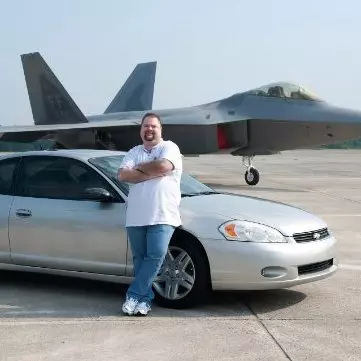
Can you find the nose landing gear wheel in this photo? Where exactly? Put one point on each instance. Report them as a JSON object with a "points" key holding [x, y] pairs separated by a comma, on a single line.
{"points": [[251, 176]]}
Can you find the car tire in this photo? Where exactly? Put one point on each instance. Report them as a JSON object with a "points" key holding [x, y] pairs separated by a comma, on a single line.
{"points": [[192, 255]]}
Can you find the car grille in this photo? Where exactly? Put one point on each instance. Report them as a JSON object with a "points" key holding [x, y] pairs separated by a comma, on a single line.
{"points": [[315, 267], [311, 236]]}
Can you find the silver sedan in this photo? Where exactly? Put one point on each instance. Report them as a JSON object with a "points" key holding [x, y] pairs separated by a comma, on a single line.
{"points": [[63, 212]]}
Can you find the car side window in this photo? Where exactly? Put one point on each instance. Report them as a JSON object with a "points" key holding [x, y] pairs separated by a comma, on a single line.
{"points": [[57, 178], [8, 169]]}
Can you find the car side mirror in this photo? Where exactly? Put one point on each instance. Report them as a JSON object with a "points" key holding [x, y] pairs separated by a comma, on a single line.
{"points": [[98, 194]]}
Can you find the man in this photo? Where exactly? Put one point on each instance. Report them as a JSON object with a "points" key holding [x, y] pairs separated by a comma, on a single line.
{"points": [[153, 170]]}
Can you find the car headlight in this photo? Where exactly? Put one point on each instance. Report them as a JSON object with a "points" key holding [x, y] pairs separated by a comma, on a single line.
{"points": [[244, 231]]}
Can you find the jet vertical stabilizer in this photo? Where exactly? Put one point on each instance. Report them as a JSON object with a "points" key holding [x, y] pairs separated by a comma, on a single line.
{"points": [[137, 92], [50, 102]]}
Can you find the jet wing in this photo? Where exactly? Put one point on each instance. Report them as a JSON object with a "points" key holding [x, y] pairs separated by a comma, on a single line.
{"points": [[193, 116], [194, 129], [79, 135], [60, 127]]}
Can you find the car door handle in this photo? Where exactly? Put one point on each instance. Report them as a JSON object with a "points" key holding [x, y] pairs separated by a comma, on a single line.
{"points": [[23, 213]]}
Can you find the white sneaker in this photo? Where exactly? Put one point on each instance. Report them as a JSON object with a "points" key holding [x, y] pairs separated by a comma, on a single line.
{"points": [[142, 308], [129, 306]]}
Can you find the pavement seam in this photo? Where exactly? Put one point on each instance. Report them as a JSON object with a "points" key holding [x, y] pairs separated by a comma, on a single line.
{"points": [[260, 321]]}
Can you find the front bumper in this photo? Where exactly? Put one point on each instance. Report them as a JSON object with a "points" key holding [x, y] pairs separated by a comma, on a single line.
{"points": [[262, 266]]}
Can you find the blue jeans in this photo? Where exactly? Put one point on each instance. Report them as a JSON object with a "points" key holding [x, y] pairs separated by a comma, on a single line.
{"points": [[149, 246]]}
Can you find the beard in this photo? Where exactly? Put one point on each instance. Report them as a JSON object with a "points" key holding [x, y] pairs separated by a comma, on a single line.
{"points": [[149, 136]]}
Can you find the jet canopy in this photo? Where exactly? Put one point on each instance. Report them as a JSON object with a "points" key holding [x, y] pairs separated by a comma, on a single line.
{"points": [[284, 90]]}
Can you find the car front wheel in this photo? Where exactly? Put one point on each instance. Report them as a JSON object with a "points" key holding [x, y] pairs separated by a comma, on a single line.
{"points": [[183, 280]]}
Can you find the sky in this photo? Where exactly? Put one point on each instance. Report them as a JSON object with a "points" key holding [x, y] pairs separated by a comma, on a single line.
{"points": [[205, 49]]}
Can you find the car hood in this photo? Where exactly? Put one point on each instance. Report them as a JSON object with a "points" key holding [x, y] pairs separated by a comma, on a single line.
{"points": [[287, 219]]}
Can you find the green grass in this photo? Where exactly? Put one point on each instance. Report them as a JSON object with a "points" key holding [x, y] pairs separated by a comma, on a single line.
{"points": [[349, 144]]}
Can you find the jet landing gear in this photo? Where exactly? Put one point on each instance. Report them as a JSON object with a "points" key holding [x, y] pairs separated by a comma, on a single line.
{"points": [[252, 175]]}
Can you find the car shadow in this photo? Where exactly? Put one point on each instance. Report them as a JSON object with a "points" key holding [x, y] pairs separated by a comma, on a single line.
{"points": [[27, 295], [265, 301]]}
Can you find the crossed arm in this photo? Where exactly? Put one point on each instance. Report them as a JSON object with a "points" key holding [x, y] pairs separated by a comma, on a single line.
{"points": [[145, 171]]}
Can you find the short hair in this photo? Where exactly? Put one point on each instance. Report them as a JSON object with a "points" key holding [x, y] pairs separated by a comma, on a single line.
{"points": [[150, 114]]}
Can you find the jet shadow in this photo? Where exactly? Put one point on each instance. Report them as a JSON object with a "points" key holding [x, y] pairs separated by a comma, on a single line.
{"points": [[242, 187]]}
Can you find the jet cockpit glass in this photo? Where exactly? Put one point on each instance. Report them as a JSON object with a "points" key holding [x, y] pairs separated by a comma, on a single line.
{"points": [[284, 90]]}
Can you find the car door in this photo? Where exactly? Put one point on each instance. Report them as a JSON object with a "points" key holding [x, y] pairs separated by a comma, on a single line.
{"points": [[8, 168], [53, 224]]}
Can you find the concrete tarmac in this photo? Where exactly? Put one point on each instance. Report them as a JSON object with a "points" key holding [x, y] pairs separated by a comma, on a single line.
{"points": [[54, 318]]}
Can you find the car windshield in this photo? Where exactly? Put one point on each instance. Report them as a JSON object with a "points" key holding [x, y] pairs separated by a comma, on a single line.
{"points": [[110, 165], [284, 90]]}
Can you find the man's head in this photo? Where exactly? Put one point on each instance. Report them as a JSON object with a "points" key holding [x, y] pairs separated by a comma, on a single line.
{"points": [[151, 129]]}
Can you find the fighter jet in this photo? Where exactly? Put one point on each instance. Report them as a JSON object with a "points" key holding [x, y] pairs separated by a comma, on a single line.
{"points": [[261, 121]]}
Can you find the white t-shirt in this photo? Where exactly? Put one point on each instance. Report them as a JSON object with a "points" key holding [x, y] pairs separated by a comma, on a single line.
{"points": [[155, 201]]}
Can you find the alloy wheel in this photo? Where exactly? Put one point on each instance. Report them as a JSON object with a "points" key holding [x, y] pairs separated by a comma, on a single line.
{"points": [[176, 276]]}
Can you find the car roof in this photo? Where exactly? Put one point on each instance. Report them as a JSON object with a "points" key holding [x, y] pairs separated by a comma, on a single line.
{"points": [[81, 154]]}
